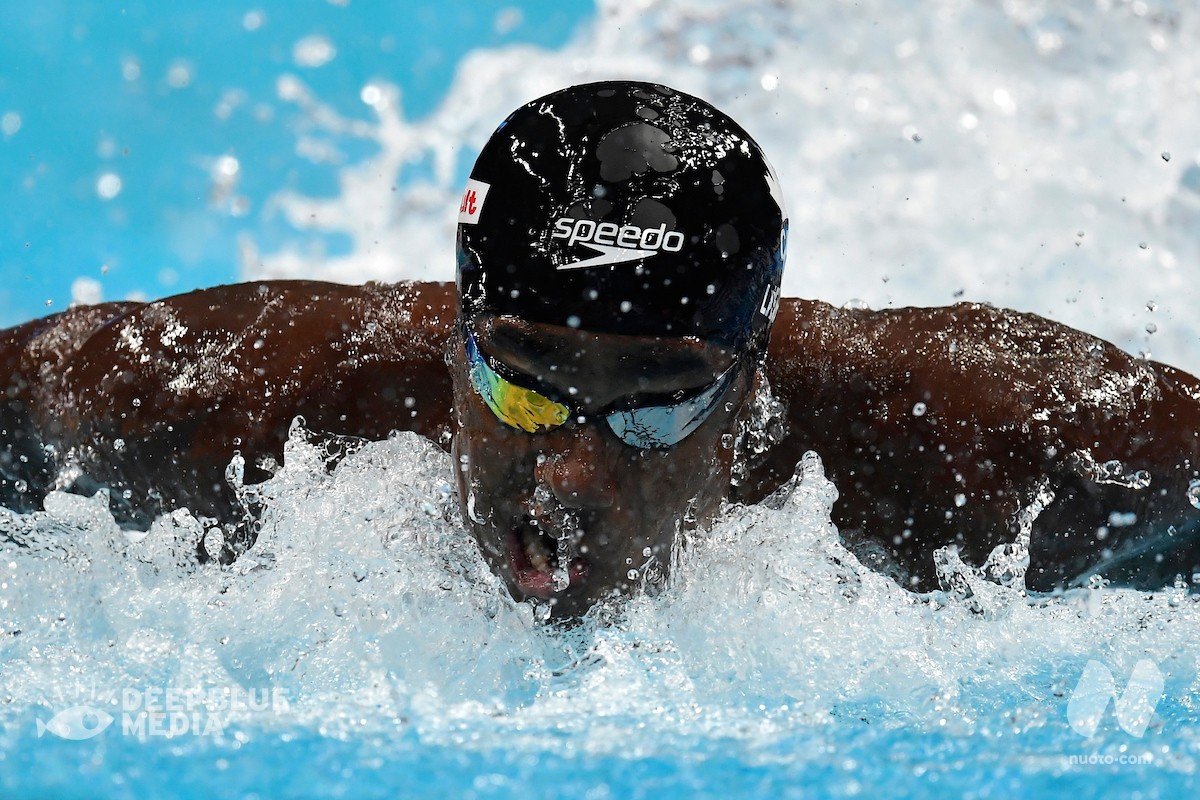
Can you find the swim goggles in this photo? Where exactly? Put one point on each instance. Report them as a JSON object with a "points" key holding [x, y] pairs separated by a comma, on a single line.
{"points": [[643, 427]]}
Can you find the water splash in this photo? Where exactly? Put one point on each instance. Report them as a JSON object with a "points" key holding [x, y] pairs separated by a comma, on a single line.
{"points": [[991, 204], [765, 427], [365, 604], [1193, 493], [1111, 472]]}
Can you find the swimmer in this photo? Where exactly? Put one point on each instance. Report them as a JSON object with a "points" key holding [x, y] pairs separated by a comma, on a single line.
{"points": [[613, 364]]}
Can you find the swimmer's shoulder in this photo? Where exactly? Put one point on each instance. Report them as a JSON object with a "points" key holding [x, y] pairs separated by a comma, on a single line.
{"points": [[404, 305], [285, 316]]}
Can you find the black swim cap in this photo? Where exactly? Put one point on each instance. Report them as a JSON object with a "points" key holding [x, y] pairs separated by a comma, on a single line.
{"points": [[625, 208]]}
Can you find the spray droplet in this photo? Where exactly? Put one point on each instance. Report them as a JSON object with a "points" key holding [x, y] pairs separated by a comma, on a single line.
{"points": [[918, 410], [1166, 156], [1151, 327], [1193, 493], [108, 186]]}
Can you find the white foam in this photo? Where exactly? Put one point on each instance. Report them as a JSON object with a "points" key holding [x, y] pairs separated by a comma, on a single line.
{"points": [[366, 605]]}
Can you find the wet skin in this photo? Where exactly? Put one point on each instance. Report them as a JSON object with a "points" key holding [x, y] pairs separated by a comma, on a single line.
{"points": [[1011, 404]]}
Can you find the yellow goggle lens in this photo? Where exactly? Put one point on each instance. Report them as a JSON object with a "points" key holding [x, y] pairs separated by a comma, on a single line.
{"points": [[513, 405]]}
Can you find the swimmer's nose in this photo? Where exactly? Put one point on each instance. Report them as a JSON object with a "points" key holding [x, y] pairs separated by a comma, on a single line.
{"points": [[579, 474]]}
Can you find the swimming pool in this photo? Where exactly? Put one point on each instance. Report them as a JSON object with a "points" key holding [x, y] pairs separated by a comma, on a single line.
{"points": [[1041, 156]]}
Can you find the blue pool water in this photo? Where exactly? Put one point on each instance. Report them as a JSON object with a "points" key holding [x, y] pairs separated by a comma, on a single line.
{"points": [[154, 95], [1041, 155]]}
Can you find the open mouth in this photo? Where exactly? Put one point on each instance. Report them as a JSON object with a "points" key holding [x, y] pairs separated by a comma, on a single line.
{"points": [[534, 556]]}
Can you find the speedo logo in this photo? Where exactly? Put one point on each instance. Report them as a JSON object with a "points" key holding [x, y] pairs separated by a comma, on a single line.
{"points": [[616, 244]]}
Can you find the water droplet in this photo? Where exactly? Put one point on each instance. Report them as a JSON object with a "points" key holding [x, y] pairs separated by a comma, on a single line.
{"points": [[918, 410], [1166, 156], [727, 441], [1122, 519], [1151, 306], [10, 123], [372, 95], [1144, 245], [1151, 327], [313, 51], [179, 74], [960, 499], [626, 306], [1193, 493], [108, 186], [253, 20]]}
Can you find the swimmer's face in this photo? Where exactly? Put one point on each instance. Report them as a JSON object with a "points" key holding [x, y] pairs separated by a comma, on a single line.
{"points": [[576, 491]]}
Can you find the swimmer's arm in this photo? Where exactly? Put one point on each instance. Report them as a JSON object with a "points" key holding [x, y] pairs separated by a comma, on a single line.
{"points": [[157, 403], [944, 422], [33, 359]]}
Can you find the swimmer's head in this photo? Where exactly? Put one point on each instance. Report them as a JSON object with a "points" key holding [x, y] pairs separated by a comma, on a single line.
{"points": [[625, 208], [620, 249]]}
